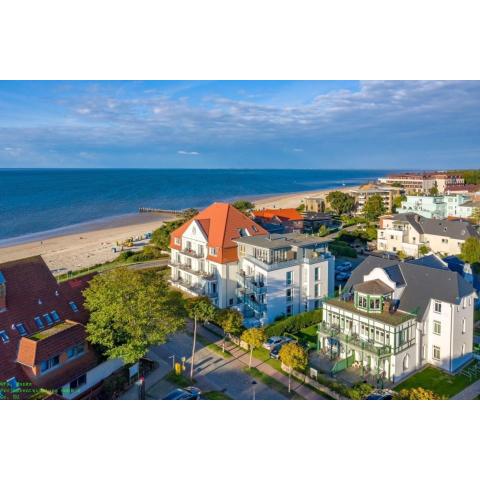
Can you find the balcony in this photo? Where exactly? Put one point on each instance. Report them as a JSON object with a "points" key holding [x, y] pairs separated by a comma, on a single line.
{"points": [[353, 341], [248, 283], [187, 268], [253, 304], [196, 289], [192, 253]]}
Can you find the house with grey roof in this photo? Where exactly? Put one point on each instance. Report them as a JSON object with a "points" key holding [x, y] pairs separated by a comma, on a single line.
{"points": [[392, 318], [409, 232]]}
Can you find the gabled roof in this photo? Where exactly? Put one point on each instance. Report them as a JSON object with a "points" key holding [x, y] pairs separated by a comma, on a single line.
{"points": [[283, 214], [421, 282], [31, 291], [456, 229], [222, 223]]}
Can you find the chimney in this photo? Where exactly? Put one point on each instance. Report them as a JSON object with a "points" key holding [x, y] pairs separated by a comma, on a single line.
{"points": [[3, 293]]}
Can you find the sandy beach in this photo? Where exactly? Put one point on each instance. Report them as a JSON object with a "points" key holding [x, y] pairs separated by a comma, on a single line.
{"points": [[83, 246], [86, 247], [293, 200]]}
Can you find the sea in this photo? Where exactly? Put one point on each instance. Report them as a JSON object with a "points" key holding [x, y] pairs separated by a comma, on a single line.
{"points": [[38, 202]]}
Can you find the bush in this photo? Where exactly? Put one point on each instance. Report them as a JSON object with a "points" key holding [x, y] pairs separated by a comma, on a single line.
{"points": [[360, 391], [342, 249], [294, 324]]}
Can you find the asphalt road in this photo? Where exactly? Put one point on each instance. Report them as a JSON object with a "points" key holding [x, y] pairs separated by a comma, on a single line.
{"points": [[217, 372]]}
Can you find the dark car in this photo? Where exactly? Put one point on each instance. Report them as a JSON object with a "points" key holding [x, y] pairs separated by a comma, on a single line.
{"points": [[187, 393], [379, 395]]}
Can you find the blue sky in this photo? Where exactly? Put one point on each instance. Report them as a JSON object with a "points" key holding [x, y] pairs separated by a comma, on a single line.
{"points": [[233, 124]]}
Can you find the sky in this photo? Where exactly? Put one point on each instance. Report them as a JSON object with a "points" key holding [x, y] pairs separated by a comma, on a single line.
{"points": [[240, 124]]}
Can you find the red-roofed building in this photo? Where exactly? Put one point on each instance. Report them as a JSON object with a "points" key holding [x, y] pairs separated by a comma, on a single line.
{"points": [[42, 334], [466, 189], [203, 253], [279, 220]]}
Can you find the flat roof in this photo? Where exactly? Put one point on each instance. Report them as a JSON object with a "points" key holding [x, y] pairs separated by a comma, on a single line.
{"points": [[42, 334], [283, 240]]}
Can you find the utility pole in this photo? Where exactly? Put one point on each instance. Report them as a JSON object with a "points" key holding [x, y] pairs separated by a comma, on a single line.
{"points": [[193, 347]]}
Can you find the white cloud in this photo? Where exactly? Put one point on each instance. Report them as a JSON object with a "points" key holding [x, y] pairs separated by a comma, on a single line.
{"points": [[183, 152]]}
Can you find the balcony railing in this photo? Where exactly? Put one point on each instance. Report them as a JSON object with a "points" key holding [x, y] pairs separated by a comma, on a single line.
{"points": [[250, 284], [192, 253], [189, 269], [253, 304], [354, 340], [195, 288]]}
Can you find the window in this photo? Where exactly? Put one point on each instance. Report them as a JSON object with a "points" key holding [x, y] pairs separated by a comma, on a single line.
{"points": [[289, 278], [437, 328], [316, 304], [38, 322], [289, 294], [48, 319], [463, 349], [55, 315], [4, 336], [12, 383], [77, 383], [315, 290], [21, 329], [76, 350], [73, 306], [436, 352], [437, 307], [317, 274], [213, 251], [176, 240], [464, 325], [289, 310], [50, 363], [230, 301]]}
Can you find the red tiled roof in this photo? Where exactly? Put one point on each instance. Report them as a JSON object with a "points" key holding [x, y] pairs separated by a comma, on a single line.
{"points": [[283, 214], [32, 290], [221, 223], [462, 188]]}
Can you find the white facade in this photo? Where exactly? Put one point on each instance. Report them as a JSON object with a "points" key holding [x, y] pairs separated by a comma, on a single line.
{"points": [[440, 206], [395, 344], [277, 282], [196, 274]]}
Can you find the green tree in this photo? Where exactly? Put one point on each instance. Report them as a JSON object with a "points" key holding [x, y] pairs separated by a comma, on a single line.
{"points": [[397, 202], [253, 337], [434, 190], [401, 255], [471, 250], [294, 357], [199, 309], [374, 207], [243, 205], [416, 394], [130, 311], [231, 322], [341, 203], [423, 249], [301, 207]]}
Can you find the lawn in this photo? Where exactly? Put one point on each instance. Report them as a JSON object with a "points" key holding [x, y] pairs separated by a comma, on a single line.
{"points": [[272, 383], [437, 381], [215, 395], [179, 380], [308, 335]]}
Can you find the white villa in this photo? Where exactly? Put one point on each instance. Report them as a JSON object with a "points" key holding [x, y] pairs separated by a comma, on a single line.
{"points": [[395, 317], [407, 232], [282, 275], [437, 206], [204, 256]]}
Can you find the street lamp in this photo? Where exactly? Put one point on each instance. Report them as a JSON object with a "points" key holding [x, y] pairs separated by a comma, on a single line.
{"points": [[253, 389]]}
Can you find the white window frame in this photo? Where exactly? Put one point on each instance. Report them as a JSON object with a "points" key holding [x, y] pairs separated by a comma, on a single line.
{"points": [[436, 324], [439, 304], [434, 349]]}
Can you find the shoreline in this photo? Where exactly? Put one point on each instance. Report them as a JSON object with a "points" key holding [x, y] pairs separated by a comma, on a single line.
{"points": [[89, 243]]}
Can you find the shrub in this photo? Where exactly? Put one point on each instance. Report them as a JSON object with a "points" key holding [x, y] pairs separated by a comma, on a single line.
{"points": [[294, 324], [342, 249]]}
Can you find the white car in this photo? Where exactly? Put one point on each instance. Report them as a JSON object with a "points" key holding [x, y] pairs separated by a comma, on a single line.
{"points": [[273, 342]]}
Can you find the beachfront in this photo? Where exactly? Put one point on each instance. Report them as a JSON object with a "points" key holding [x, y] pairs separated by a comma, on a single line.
{"points": [[93, 244]]}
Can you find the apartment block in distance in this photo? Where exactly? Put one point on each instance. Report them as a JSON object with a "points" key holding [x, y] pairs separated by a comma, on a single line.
{"points": [[395, 317], [363, 193], [43, 348], [423, 182], [407, 232], [204, 256], [282, 275]]}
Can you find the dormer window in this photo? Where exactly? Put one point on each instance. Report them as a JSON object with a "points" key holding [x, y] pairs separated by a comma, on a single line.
{"points": [[4, 336], [21, 329], [55, 315], [73, 306], [39, 323], [48, 319]]}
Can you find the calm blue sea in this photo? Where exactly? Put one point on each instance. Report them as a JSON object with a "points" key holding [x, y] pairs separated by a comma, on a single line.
{"points": [[40, 200]]}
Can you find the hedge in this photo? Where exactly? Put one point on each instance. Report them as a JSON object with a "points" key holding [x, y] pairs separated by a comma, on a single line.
{"points": [[294, 324]]}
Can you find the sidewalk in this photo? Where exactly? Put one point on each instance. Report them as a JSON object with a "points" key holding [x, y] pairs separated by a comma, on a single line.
{"points": [[470, 393]]}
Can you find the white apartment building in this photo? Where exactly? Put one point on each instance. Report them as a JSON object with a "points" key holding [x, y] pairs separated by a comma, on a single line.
{"points": [[204, 258], [282, 275], [439, 206], [423, 182], [395, 317], [407, 232]]}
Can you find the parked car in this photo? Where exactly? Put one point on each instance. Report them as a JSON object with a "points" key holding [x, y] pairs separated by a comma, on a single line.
{"points": [[341, 276], [275, 351], [344, 267], [380, 395], [273, 342], [187, 393]]}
